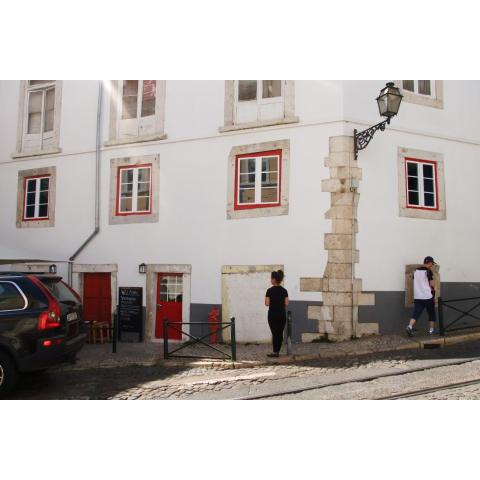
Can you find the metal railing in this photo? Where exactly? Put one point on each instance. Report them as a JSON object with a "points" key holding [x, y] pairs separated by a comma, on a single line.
{"points": [[442, 304], [199, 340], [288, 333]]}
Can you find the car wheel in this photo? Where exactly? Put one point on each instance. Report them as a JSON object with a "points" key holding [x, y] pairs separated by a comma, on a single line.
{"points": [[8, 374]]}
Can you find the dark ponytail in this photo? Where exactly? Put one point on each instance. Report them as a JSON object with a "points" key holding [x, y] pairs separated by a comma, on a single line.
{"points": [[278, 276]]}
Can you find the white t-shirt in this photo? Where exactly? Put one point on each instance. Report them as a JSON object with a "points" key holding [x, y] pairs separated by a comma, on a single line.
{"points": [[421, 285]]}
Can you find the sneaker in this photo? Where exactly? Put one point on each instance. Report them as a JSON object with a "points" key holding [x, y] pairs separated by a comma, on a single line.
{"points": [[432, 331], [409, 331], [272, 355]]}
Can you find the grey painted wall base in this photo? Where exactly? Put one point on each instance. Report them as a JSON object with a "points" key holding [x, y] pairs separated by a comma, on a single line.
{"points": [[301, 324], [392, 316]]}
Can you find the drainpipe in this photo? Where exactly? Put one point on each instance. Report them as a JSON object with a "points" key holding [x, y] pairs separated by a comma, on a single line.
{"points": [[97, 185], [353, 190]]}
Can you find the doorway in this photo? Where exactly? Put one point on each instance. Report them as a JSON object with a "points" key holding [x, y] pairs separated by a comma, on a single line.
{"points": [[169, 303], [97, 297]]}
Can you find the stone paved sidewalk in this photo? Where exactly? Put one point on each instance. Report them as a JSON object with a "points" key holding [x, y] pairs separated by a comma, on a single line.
{"points": [[253, 355]]}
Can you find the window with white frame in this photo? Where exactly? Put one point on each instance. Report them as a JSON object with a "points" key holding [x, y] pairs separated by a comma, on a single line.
{"points": [[258, 180], [36, 192], [39, 115], [259, 100], [134, 190], [136, 111], [421, 184], [420, 87], [36, 197]]}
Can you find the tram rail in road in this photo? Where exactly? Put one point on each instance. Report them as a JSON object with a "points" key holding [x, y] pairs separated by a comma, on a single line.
{"points": [[370, 378]]}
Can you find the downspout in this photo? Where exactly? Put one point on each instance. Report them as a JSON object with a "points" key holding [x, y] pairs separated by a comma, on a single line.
{"points": [[97, 184]]}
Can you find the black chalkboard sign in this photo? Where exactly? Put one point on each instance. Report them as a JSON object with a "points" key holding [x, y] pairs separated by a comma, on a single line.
{"points": [[130, 309]]}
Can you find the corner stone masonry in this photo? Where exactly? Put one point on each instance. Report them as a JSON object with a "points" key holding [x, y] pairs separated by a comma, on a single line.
{"points": [[342, 293]]}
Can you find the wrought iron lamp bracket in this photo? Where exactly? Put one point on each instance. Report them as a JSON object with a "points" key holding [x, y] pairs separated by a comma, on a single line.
{"points": [[362, 139]]}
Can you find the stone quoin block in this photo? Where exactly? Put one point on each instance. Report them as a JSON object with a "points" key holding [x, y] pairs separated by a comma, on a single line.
{"points": [[343, 331], [346, 172], [335, 241], [365, 299], [340, 159], [344, 199], [367, 329], [338, 270], [335, 185], [311, 284], [316, 312], [343, 256], [340, 225], [326, 327], [341, 299], [340, 285], [343, 212], [341, 143]]}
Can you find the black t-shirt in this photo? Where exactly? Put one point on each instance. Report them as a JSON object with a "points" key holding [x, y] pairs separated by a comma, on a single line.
{"points": [[277, 295]]}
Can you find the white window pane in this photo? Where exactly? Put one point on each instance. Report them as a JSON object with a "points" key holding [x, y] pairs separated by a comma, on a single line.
{"points": [[43, 211], [30, 200], [429, 199], [143, 189], [126, 205], [269, 179], [247, 180], [427, 171], [129, 99], [49, 110], [143, 204], [44, 182], [272, 88], [269, 164], [39, 82], [30, 211], [269, 195], [424, 87], [247, 195], [409, 85], [413, 198], [149, 97], [127, 176], [31, 185], [247, 90], [35, 112], [143, 174]]}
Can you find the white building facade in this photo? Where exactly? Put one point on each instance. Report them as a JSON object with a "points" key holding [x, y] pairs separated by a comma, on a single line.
{"points": [[213, 184]]}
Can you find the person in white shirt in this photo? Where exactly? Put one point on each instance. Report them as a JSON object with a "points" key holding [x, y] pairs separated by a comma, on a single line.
{"points": [[423, 295]]}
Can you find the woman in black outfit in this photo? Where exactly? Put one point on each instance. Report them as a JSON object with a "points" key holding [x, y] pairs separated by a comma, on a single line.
{"points": [[276, 299]]}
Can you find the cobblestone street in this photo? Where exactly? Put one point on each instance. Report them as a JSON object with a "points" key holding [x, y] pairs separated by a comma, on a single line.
{"points": [[177, 382]]}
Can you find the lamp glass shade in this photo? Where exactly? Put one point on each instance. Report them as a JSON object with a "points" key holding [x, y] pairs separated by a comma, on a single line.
{"points": [[389, 100]]}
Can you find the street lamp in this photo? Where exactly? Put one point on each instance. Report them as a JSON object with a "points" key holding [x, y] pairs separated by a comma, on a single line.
{"points": [[142, 268], [388, 104], [52, 268]]}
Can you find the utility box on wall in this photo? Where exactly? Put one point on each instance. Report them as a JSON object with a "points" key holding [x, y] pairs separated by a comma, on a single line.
{"points": [[243, 297], [409, 269]]}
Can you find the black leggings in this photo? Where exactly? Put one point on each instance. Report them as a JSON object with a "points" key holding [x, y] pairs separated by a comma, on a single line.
{"points": [[277, 325]]}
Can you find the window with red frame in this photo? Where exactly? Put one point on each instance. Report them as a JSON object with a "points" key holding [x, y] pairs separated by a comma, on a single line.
{"points": [[257, 180], [421, 184], [134, 192], [36, 193]]}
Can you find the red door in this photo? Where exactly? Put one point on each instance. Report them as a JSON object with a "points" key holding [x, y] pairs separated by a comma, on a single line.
{"points": [[169, 303], [97, 297]]}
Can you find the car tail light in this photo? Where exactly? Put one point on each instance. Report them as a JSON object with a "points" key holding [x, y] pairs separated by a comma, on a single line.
{"points": [[50, 318]]}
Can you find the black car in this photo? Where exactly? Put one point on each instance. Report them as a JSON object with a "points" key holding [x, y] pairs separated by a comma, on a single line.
{"points": [[41, 324]]}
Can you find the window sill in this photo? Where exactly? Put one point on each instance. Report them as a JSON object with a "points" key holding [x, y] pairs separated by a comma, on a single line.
{"points": [[269, 123], [133, 140], [36, 153]]}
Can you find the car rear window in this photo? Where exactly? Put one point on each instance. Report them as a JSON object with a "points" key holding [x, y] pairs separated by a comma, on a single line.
{"points": [[10, 297], [60, 290]]}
